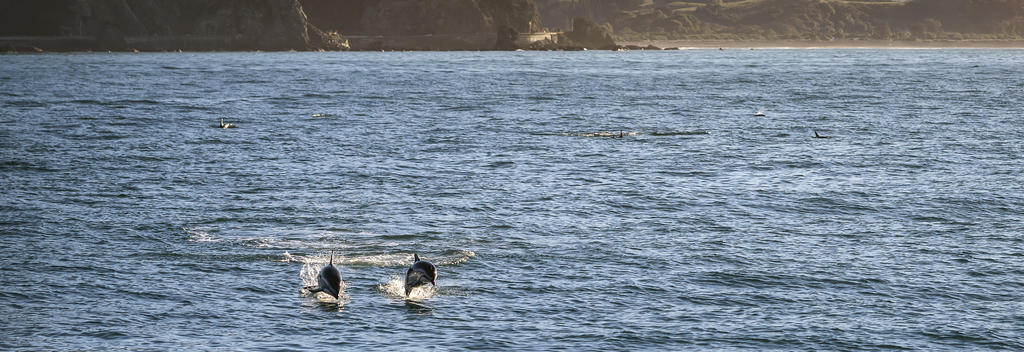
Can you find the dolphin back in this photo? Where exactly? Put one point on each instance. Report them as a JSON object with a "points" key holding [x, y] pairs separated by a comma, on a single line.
{"points": [[330, 280], [420, 273]]}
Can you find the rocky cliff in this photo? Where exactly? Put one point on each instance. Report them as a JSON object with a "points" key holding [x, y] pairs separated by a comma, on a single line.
{"points": [[585, 33], [167, 24], [265, 24], [812, 20], [425, 24], [420, 17]]}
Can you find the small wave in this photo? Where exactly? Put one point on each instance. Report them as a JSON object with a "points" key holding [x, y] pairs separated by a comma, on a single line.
{"points": [[604, 134], [679, 133], [199, 235], [137, 101], [190, 107], [250, 81], [457, 258], [196, 234], [257, 242], [283, 99], [120, 102], [26, 166], [382, 260], [288, 258], [395, 288], [405, 259], [459, 108], [26, 104], [386, 260]]}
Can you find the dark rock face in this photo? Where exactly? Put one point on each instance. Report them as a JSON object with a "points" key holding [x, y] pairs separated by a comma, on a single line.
{"points": [[587, 34], [182, 24], [426, 24], [506, 38], [417, 17], [241, 24], [342, 16], [56, 25], [520, 15], [39, 18], [421, 17]]}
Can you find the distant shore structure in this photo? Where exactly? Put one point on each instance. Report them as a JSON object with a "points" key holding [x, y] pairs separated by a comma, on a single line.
{"points": [[525, 39]]}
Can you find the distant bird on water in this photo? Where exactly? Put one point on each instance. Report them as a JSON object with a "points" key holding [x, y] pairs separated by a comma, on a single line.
{"points": [[816, 135], [226, 125]]}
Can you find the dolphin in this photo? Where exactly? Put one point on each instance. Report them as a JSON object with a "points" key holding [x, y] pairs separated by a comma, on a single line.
{"points": [[329, 280], [420, 273]]}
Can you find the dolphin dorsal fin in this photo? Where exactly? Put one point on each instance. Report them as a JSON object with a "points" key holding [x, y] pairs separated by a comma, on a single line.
{"points": [[415, 257]]}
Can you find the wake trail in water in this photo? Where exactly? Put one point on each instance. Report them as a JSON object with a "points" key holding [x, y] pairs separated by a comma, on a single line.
{"points": [[457, 256]]}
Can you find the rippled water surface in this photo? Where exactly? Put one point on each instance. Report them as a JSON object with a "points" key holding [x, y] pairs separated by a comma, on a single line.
{"points": [[585, 200]]}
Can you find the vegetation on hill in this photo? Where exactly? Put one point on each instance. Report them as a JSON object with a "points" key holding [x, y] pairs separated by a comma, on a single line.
{"points": [[797, 19]]}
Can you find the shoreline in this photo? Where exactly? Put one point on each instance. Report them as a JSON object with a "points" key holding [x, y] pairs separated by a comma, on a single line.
{"points": [[835, 44], [210, 44]]}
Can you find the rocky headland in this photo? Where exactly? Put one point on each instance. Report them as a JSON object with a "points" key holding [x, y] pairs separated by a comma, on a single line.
{"points": [[160, 25], [276, 25]]}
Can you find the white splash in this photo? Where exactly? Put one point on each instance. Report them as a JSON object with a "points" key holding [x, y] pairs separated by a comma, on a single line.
{"points": [[195, 234], [380, 260], [257, 242], [386, 260], [395, 288], [462, 257]]}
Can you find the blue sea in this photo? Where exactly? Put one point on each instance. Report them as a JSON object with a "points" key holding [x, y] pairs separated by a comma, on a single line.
{"points": [[570, 200]]}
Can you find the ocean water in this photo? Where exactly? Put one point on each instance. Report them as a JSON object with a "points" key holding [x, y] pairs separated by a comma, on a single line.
{"points": [[571, 201]]}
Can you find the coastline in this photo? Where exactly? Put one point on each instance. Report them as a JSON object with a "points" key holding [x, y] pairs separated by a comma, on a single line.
{"points": [[467, 43], [834, 44]]}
